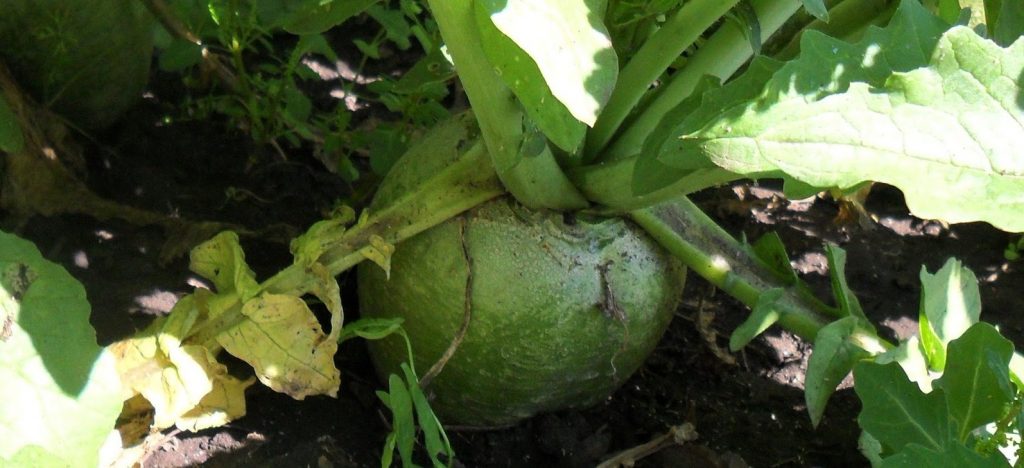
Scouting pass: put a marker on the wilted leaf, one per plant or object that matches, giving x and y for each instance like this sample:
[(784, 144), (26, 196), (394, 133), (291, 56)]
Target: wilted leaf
[(59, 391), (174, 378), (282, 340), (379, 251), (222, 261)]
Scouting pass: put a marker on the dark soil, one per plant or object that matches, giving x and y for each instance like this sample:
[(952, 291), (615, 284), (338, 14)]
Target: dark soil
[(748, 408)]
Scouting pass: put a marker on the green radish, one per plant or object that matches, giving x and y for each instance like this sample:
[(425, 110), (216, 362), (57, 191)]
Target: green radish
[(87, 60), (564, 308)]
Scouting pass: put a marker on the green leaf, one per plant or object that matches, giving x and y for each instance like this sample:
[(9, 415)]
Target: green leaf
[(764, 314), (580, 76), (772, 251), (403, 426), (434, 438), (949, 10), (310, 16), (952, 456), (1008, 25), (817, 9), (950, 304), (910, 356), (524, 77), (845, 298), (832, 360), (60, 393), (944, 134), (179, 55), (371, 328), (976, 381), (11, 139), (894, 410)]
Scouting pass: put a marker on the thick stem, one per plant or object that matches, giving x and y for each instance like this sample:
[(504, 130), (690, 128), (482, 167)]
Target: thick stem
[(724, 53), (689, 234), (536, 182), (653, 58)]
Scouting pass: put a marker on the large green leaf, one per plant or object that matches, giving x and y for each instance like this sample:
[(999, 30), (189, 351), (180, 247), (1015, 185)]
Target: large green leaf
[(59, 391), (945, 134), (569, 44), (936, 114), (957, 455)]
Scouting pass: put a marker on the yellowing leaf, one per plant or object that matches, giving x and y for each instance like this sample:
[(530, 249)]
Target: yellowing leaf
[(379, 251), (222, 261), (224, 403), (283, 341), (172, 377)]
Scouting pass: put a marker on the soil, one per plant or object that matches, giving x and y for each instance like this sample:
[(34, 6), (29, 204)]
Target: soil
[(747, 408)]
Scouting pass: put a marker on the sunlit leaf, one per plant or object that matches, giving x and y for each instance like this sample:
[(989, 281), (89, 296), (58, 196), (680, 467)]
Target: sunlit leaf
[(580, 76), (59, 390), (951, 121), (282, 340), (524, 77), (950, 304)]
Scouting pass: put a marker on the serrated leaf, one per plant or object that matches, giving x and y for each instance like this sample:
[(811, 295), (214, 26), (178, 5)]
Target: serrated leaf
[(524, 77), (581, 76), (831, 361), (950, 304), (817, 9), (11, 139), (944, 133), (764, 314), (894, 410), (976, 380), (59, 390)]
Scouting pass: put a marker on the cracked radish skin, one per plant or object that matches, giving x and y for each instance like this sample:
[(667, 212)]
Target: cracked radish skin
[(563, 309)]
